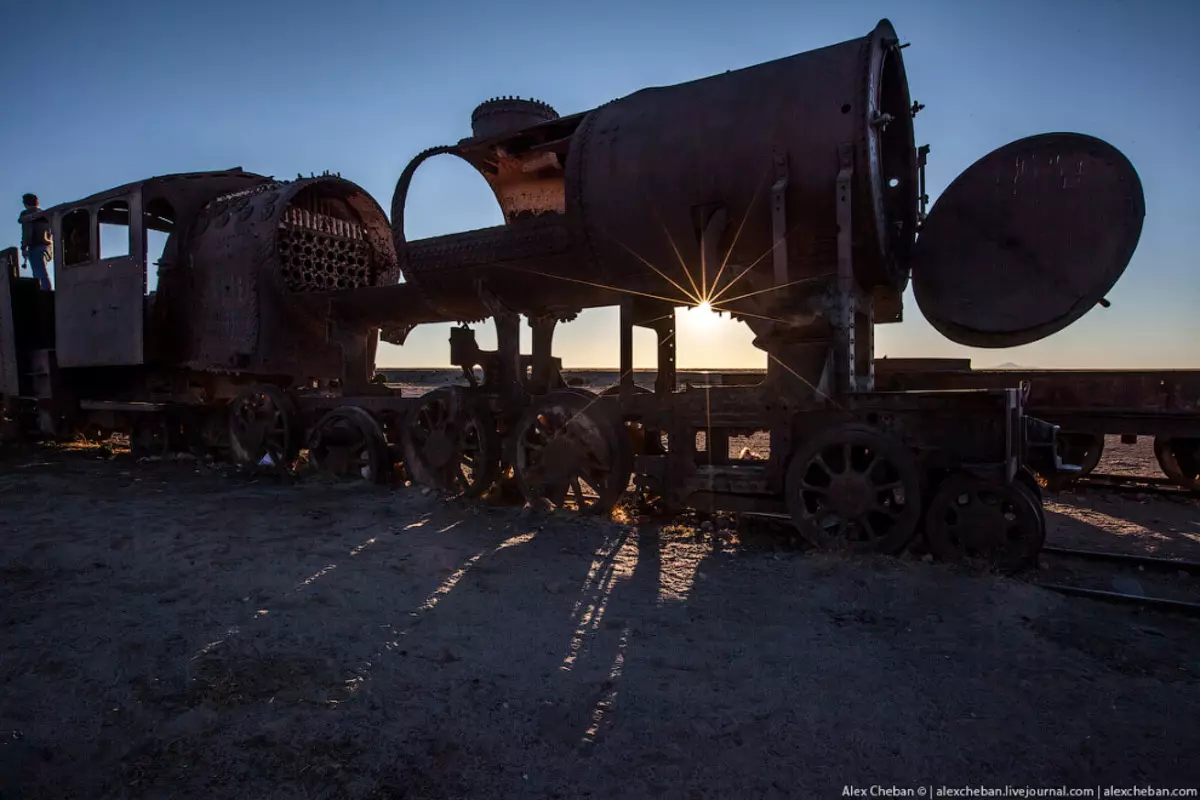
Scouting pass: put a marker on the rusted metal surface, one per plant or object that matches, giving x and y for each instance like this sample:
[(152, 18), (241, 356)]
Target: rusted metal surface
[(970, 520), (242, 298), (527, 183), (9, 377), (1145, 402), (641, 165), (10, 265), (100, 300), (99, 314), (610, 199), (258, 255), (503, 115), (1027, 240), (787, 193), (820, 214), (243, 252)]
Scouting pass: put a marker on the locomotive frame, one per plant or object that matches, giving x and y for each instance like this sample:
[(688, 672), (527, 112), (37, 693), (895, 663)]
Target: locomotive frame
[(277, 292)]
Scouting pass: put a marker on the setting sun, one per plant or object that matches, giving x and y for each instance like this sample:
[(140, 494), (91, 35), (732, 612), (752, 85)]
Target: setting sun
[(702, 316)]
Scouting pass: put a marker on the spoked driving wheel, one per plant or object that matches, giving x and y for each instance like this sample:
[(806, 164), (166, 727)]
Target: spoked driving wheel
[(853, 488), (451, 444), (1179, 459), (348, 443), (572, 453), (263, 427), (984, 523)]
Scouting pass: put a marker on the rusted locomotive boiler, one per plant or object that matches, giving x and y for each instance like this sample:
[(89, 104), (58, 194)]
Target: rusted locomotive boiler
[(791, 195), (107, 349)]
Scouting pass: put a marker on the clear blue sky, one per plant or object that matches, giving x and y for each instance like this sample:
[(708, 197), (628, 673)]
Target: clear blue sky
[(97, 94)]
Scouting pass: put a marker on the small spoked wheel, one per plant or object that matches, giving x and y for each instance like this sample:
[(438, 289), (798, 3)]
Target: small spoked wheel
[(1179, 459), (263, 428), (572, 453), (451, 444), (854, 488), (984, 523), (348, 443)]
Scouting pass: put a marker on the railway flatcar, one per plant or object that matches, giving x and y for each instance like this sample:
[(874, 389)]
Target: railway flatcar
[(1087, 405)]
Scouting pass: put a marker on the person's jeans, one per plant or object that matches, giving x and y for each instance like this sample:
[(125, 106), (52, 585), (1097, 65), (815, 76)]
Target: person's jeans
[(39, 260)]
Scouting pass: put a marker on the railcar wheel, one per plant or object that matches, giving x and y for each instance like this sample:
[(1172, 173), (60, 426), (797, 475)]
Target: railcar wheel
[(150, 437), (1027, 478), (984, 523), (572, 453), (1083, 449), (451, 444), (263, 427), (348, 443), (853, 488), (1179, 459)]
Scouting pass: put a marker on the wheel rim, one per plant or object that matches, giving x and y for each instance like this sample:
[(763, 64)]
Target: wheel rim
[(1179, 459), (348, 443), (451, 444), (854, 489), (1083, 449), (993, 525), (571, 454), (261, 425)]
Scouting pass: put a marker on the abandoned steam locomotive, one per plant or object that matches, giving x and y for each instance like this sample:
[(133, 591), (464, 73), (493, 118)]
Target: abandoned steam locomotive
[(788, 194)]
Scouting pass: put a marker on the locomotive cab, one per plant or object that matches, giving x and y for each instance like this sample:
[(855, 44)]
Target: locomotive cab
[(101, 276)]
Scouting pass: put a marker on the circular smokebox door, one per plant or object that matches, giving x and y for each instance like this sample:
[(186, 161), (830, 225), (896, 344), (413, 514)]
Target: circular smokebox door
[(1027, 240)]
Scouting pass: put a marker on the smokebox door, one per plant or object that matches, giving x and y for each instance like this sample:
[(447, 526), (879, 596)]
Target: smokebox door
[(1027, 240)]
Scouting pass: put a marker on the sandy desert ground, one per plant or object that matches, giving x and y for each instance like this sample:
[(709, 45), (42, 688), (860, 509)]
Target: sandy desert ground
[(176, 629)]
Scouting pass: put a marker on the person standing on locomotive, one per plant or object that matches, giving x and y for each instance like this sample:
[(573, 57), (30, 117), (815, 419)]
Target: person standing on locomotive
[(36, 241)]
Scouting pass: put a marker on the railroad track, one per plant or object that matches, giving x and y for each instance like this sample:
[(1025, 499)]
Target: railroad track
[(1130, 484), (1125, 574)]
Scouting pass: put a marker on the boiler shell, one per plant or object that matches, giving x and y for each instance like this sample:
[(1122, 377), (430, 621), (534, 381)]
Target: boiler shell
[(642, 170), (251, 321)]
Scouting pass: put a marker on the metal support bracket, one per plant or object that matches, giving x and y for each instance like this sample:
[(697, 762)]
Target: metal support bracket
[(357, 361), (10, 383), (542, 328), (508, 343), (626, 349), (844, 302), (710, 238), (666, 380), (779, 219), (923, 198)]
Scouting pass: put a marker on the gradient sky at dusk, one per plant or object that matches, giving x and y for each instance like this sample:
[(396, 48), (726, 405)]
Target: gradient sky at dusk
[(99, 94)]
